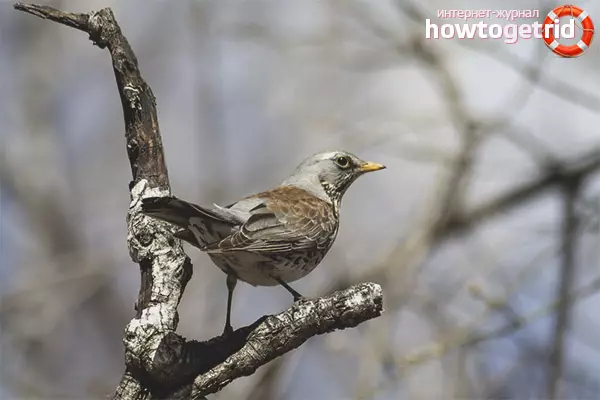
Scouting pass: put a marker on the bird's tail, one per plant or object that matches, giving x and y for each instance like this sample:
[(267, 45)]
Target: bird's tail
[(199, 225)]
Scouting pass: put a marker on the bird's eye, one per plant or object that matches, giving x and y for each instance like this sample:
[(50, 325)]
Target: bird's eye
[(342, 162)]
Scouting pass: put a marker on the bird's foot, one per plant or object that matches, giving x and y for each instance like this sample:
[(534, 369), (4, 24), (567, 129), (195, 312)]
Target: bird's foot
[(297, 296)]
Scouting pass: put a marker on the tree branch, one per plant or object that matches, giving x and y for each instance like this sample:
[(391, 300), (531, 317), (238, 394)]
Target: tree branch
[(286, 331), (160, 363), (470, 337), (579, 168), (564, 287)]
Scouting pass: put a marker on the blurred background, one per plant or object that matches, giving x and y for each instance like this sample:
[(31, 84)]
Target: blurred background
[(484, 230)]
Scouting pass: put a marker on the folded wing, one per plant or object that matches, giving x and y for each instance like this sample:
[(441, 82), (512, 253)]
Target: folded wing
[(286, 219)]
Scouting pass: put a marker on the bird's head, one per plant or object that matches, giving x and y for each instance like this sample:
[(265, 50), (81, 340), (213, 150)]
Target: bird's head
[(329, 174)]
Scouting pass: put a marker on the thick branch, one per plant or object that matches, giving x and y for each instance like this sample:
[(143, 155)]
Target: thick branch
[(165, 269), (144, 145)]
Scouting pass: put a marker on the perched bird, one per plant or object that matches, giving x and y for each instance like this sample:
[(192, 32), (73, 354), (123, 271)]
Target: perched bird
[(273, 237)]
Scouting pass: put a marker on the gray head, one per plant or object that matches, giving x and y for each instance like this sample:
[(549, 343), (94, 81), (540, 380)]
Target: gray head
[(329, 174)]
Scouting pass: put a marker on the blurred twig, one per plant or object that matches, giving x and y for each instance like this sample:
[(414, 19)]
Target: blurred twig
[(265, 387), (447, 197), (555, 86), (37, 305), (579, 167), (564, 287), (436, 350)]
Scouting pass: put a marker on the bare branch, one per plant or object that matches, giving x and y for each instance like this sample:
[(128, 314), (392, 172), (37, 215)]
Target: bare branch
[(77, 21), (564, 287), (165, 268), (266, 387), (554, 85), (579, 168), (284, 332), (439, 349)]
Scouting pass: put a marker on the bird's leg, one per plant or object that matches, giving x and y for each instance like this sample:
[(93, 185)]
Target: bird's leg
[(297, 296), (231, 282)]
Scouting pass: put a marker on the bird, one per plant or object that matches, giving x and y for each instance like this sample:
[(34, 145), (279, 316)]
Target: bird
[(273, 237)]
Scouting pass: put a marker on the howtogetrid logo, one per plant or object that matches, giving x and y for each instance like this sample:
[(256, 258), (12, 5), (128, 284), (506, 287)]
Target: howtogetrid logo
[(551, 30)]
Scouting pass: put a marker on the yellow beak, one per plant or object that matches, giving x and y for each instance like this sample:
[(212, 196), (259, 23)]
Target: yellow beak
[(370, 167)]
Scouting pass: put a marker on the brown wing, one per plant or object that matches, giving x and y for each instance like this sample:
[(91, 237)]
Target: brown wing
[(287, 219)]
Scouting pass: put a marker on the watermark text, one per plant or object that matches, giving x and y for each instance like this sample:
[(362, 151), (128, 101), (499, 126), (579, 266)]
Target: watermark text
[(511, 33), (508, 15)]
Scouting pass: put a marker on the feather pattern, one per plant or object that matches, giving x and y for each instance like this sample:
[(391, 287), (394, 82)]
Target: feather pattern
[(286, 219)]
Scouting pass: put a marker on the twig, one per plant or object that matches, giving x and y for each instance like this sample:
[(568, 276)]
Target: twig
[(266, 387), (554, 85), (564, 287), (437, 350), (579, 167), (562, 89)]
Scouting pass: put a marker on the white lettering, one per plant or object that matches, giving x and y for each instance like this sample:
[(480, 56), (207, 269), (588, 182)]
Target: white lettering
[(495, 31), (429, 27), (568, 30), (547, 33), (511, 34), (481, 26), (525, 31), (466, 31), (447, 31), (537, 29)]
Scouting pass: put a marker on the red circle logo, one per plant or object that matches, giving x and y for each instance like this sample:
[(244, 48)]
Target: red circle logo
[(579, 15)]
